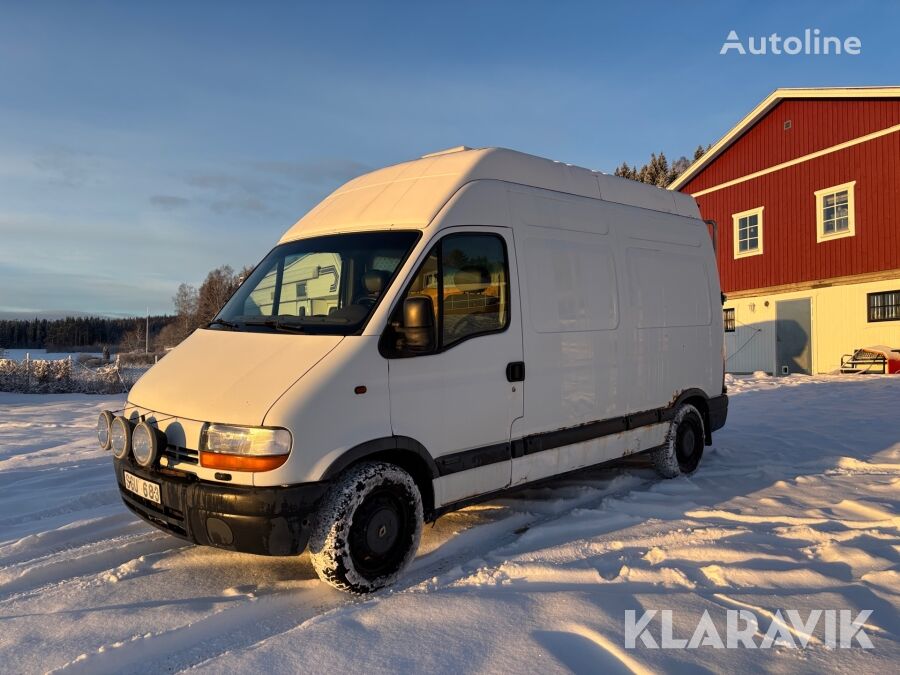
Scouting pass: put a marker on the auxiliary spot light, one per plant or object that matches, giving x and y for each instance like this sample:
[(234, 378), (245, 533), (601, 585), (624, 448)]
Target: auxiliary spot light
[(120, 437), (104, 422), (146, 443)]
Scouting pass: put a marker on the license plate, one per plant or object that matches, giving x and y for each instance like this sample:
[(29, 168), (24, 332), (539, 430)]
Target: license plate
[(142, 488)]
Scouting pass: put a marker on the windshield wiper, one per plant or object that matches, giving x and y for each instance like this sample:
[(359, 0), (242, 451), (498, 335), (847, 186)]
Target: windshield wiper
[(222, 322), (277, 325)]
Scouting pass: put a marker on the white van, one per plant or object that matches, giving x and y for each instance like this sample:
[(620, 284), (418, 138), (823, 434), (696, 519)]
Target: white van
[(432, 334)]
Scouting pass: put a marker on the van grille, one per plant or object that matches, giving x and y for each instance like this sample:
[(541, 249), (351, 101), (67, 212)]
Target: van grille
[(177, 455)]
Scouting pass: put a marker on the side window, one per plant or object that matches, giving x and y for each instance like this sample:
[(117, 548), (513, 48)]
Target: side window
[(466, 278), (475, 286)]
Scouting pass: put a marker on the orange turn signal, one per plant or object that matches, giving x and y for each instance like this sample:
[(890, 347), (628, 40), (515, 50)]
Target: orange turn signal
[(218, 460)]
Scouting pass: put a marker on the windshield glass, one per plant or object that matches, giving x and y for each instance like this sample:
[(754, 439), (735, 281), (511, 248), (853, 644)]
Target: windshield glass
[(326, 284)]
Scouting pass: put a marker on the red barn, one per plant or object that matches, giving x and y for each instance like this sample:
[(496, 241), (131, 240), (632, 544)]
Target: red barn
[(805, 191)]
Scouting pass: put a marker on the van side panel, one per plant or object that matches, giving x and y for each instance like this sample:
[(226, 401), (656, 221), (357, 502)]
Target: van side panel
[(617, 319), (675, 339), (572, 315)]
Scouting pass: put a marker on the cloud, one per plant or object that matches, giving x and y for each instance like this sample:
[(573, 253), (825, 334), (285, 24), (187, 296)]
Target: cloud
[(224, 182), (246, 205), (169, 202), (269, 182), (66, 166), (316, 171)]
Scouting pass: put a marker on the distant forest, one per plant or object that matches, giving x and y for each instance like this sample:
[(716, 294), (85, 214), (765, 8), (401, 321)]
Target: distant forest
[(77, 332), (193, 308)]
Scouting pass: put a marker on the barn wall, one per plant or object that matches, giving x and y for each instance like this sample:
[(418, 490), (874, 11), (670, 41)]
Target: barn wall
[(791, 252), (815, 124), (839, 325)]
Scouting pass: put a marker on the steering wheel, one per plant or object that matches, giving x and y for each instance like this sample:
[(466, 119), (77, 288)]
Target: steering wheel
[(365, 301)]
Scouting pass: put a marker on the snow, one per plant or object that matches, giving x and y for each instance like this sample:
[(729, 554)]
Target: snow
[(793, 508)]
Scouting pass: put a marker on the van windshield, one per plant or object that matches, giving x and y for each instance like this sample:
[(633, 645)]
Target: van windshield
[(324, 285)]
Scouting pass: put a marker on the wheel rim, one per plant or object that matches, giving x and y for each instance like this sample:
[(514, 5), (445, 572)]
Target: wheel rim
[(688, 446), (379, 536)]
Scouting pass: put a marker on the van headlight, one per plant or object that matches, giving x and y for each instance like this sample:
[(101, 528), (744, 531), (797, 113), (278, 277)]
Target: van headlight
[(233, 448)]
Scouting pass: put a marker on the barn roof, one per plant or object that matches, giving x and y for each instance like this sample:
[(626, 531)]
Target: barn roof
[(762, 110)]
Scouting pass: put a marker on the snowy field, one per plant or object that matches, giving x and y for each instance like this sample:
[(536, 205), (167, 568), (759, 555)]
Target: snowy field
[(794, 507)]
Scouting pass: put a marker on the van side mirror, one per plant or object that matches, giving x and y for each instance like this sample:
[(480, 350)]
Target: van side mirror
[(418, 323)]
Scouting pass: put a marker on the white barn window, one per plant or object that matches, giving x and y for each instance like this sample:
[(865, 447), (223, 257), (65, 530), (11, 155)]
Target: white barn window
[(835, 212), (748, 232)]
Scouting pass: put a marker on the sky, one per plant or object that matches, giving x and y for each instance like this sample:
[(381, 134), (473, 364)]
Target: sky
[(144, 144)]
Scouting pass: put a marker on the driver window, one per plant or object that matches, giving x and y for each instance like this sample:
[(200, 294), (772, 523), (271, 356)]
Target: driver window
[(466, 278), (475, 286)]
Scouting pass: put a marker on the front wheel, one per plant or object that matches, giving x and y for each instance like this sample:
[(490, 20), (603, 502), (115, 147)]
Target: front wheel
[(367, 528), (683, 448)]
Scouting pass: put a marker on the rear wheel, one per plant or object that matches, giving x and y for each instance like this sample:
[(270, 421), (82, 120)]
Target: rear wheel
[(684, 444), (367, 529)]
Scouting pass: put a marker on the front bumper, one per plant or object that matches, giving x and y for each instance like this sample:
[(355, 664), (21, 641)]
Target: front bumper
[(260, 520)]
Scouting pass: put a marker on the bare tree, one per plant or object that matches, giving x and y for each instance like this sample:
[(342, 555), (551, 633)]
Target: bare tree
[(196, 308), (214, 292), (185, 300), (133, 340)]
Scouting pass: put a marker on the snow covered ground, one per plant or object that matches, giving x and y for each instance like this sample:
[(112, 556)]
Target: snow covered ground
[(794, 507)]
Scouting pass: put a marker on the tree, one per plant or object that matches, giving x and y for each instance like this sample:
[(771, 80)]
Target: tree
[(220, 284), (133, 340), (679, 166), (170, 336), (185, 301), (658, 171), (625, 171)]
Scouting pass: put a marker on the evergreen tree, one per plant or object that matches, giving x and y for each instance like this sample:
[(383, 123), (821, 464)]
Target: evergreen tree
[(658, 171)]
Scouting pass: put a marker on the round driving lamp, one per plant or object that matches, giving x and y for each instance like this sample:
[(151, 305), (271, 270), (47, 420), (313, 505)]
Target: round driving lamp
[(120, 437), (146, 444), (104, 422)]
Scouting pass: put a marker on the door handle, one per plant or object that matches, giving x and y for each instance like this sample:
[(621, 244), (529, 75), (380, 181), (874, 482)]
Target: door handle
[(515, 371)]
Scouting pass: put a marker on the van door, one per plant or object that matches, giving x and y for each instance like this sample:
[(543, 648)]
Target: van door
[(460, 398)]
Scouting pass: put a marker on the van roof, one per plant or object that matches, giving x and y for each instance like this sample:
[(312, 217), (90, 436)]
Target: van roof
[(412, 193)]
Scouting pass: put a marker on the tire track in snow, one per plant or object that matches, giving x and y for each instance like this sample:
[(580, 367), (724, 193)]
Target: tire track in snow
[(278, 612), (37, 577), (466, 549), (179, 647)]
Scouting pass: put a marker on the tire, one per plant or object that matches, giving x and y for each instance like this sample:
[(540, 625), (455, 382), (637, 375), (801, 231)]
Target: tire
[(367, 528), (683, 448)]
